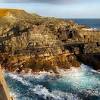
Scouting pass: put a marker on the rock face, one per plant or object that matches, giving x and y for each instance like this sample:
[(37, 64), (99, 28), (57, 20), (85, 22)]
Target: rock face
[(30, 41), (91, 60), (39, 43), (4, 91)]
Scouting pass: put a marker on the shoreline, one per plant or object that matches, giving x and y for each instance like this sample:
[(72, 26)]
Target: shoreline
[(49, 72)]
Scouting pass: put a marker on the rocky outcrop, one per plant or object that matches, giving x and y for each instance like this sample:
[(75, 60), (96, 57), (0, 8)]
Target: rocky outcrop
[(4, 91), (41, 43), (31, 41), (91, 60)]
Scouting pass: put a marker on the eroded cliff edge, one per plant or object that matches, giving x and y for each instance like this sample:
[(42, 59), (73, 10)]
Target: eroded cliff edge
[(43, 43)]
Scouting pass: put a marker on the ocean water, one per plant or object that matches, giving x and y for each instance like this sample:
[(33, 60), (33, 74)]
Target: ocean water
[(75, 84), (92, 23)]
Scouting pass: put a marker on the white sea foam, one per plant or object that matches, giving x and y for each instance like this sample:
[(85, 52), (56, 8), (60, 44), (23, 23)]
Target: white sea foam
[(77, 72), (69, 72), (90, 92), (80, 78), (39, 75), (19, 79), (53, 95)]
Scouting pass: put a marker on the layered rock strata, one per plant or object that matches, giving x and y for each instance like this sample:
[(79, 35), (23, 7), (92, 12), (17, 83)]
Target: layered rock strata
[(42, 43)]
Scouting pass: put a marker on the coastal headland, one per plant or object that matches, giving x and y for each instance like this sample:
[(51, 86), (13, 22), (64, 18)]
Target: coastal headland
[(30, 41)]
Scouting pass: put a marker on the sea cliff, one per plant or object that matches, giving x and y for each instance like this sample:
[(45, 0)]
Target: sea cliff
[(29, 41)]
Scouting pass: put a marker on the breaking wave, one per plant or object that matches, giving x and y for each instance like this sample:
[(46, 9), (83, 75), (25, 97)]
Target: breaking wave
[(53, 95), (74, 84)]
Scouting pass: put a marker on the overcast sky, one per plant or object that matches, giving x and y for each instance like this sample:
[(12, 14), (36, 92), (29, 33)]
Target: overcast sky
[(57, 8)]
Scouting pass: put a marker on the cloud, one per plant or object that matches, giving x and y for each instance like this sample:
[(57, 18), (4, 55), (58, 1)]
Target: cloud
[(39, 1), (80, 9)]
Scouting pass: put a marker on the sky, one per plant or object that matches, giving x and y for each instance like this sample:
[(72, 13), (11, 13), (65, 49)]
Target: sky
[(57, 8)]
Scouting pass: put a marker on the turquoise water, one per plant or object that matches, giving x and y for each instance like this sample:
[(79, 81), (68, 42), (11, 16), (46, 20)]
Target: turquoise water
[(74, 84)]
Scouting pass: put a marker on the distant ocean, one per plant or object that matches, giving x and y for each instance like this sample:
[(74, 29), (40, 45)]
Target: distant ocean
[(75, 84), (93, 23)]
